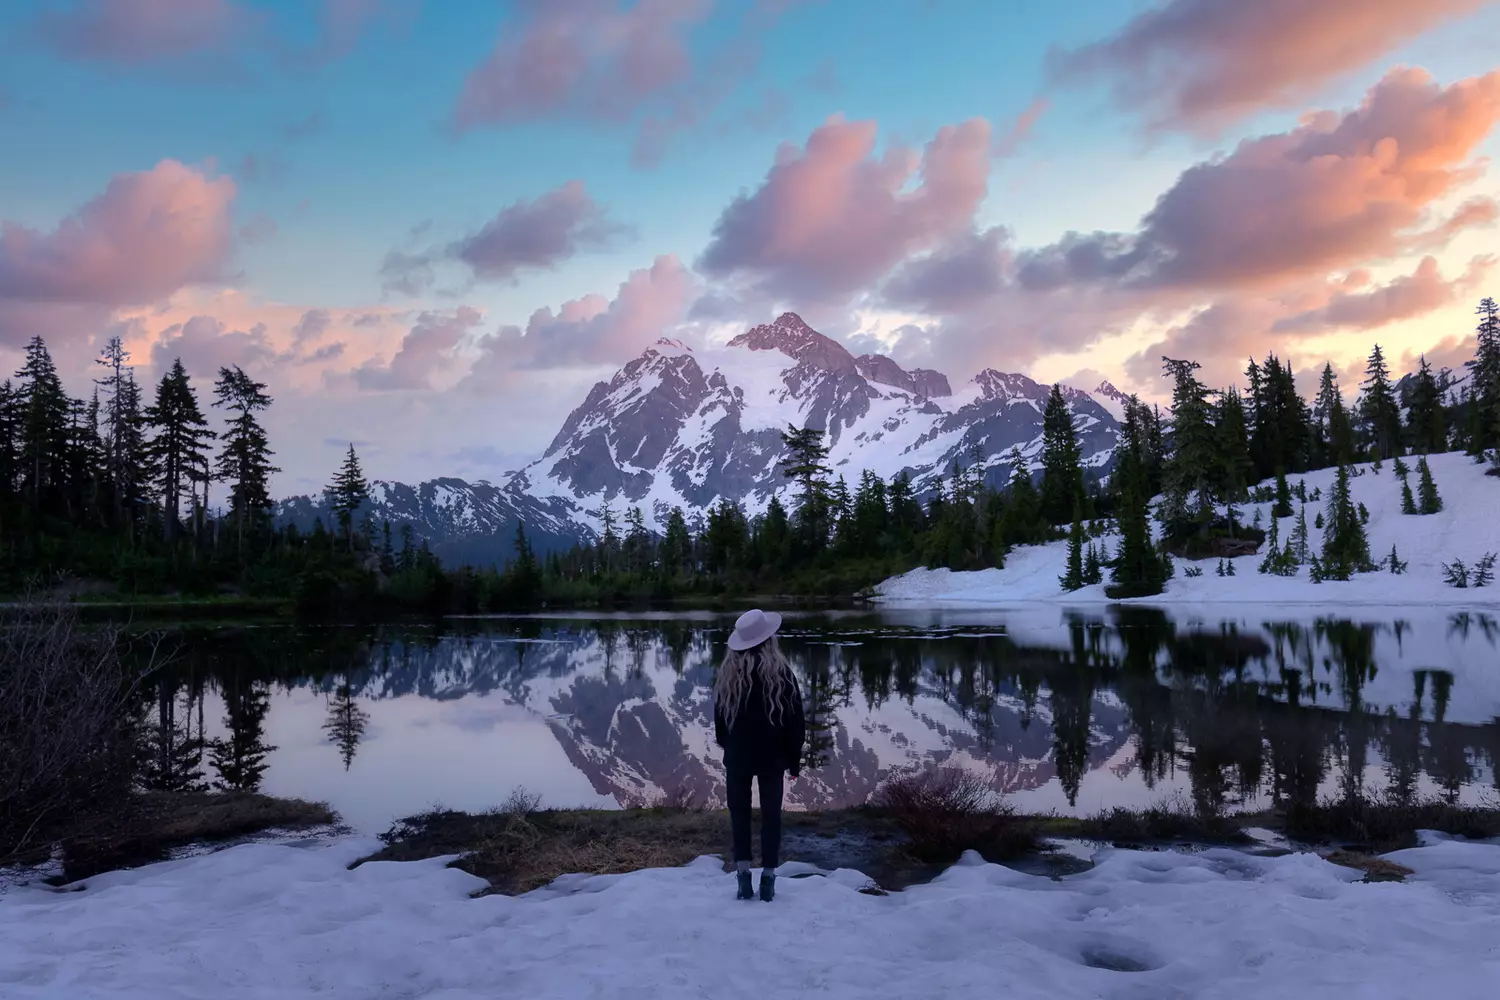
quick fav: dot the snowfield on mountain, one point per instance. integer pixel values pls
(677, 427)
(1467, 528)
(287, 921)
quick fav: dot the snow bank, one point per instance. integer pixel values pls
(283, 921)
(1467, 528)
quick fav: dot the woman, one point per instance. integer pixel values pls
(758, 722)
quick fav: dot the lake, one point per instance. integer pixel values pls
(1070, 711)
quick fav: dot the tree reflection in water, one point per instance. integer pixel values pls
(1237, 714)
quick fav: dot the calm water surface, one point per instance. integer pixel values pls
(1065, 711)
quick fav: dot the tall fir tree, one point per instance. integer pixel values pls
(1139, 570)
(1062, 472)
(1428, 500)
(1188, 477)
(1235, 464)
(1346, 550)
(245, 458)
(1379, 411)
(43, 409)
(346, 493)
(177, 452)
(1426, 421)
(1484, 379)
(1335, 429)
(806, 465)
(1072, 578)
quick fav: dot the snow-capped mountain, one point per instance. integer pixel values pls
(677, 427)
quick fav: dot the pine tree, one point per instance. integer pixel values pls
(806, 466)
(1427, 494)
(1283, 505)
(177, 453)
(676, 545)
(524, 571)
(1335, 430)
(1301, 542)
(1484, 369)
(1188, 503)
(1073, 578)
(1062, 474)
(1426, 423)
(1394, 563)
(245, 460)
(1139, 570)
(346, 493)
(43, 410)
(1092, 567)
(1235, 464)
(1346, 550)
(1378, 408)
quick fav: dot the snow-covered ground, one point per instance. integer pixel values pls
(263, 921)
(1466, 528)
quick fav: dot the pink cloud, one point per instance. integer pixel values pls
(833, 217)
(205, 345)
(137, 32)
(1204, 63)
(147, 235)
(1405, 297)
(1335, 190)
(592, 57)
(425, 350)
(591, 329)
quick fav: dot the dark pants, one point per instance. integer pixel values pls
(738, 794)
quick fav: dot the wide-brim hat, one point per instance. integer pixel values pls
(753, 628)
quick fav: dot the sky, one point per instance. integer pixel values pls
(430, 227)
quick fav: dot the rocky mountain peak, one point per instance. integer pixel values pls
(1010, 385)
(919, 382)
(798, 341)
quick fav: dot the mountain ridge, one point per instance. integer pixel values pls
(683, 427)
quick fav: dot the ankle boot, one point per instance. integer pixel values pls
(746, 892)
(767, 886)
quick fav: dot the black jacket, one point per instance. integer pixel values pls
(758, 742)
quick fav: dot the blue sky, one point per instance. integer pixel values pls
(342, 139)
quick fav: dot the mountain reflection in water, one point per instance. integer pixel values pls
(1065, 711)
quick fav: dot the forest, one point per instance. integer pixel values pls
(113, 488)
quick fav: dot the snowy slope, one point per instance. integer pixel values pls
(682, 428)
(1467, 528)
(289, 921)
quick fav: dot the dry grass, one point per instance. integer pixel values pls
(155, 822)
(1375, 869)
(1387, 826)
(517, 850)
(947, 811)
(1171, 820)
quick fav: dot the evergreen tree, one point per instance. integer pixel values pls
(1072, 579)
(1062, 474)
(1236, 466)
(806, 465)
(676, 544)
(1021, 521)
(1408, 504)
(1301, 543)
(245, 460)
(1188, 504)
(1426, 423)
(1092, 569)
(1346, 550)
(387, 552)
(525, 572)
(1283, 505)
(1428, 501)
(1335, 430)
(1139, 569)
(346, 722)
(177, 453)
(1378, 408)
(347, 492)
(1484, 370)
(43, 410)
(240, 758)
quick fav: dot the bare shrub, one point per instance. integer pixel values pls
(521, 803)
(947, 810)
(67, 727)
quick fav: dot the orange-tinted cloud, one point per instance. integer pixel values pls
(1415, 294)
(833, 217)
(425, 350)
(1204, 63)
(1337, 190)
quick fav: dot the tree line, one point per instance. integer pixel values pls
(116, 486)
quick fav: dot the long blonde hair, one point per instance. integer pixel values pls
(742, 667)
